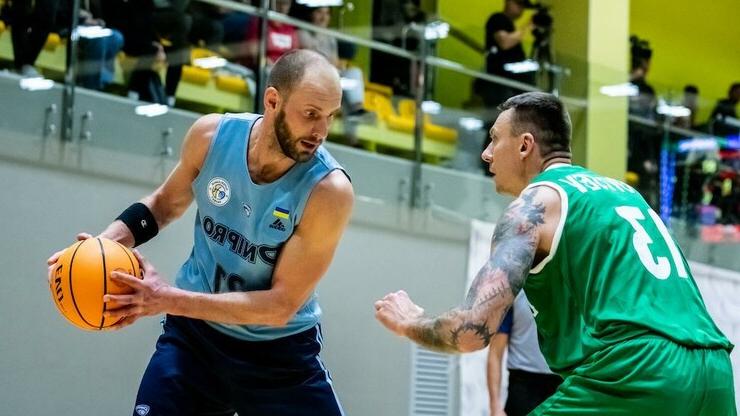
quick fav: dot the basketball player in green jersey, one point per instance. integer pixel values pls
(618, 313)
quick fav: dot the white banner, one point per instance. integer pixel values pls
(719, 287)
(473, 383)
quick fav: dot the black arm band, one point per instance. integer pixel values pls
(139, 219)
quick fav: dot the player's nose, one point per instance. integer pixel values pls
(487, 154)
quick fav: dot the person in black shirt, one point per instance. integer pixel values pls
(32, 21)
(726, 108)
(503, 46)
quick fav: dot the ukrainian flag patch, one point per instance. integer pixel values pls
(281, 213)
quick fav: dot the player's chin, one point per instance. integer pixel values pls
(304, 156)
(499, 186)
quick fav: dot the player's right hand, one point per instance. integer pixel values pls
(51, 261)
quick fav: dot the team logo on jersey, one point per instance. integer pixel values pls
(278, 225)
(141, 409)
(219, 191)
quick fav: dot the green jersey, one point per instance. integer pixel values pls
(613, 273)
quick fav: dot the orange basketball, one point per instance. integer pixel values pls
(81, 277)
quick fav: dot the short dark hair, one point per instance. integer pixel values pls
(290, 68)
(691, 89)
(544, 116)
(640, 52)
(733, 87)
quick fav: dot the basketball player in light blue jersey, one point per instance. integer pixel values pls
(242, 330)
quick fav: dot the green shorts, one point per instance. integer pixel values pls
(647, 376)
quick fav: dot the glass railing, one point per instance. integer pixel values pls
(684, 157)
(405, 95)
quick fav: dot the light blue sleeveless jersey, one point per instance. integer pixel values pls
(241, 227)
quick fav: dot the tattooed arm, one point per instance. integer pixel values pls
(523, 235)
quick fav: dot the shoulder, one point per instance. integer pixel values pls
(542, 195)
(198, 139)
(334, 190)
(497, 20)
(329, 206)
(536, 211)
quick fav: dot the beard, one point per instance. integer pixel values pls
(288, 143)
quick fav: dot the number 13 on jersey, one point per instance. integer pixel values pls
(658, 266)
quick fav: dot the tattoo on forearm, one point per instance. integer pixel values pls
(513, 248)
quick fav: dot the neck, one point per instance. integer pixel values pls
(555, 158)
(266, 161)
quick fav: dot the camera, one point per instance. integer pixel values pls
(542, 21)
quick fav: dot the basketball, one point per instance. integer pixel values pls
(81, 277)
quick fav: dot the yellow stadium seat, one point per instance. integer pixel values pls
(383, 107)
(407, 109)
(369, 103)
(52, 42)
(197, 53)
(403, 124)
(440, 133)
(379, 88)
(195, 75)
(631, 178)
(232, 83)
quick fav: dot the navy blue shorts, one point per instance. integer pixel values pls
(197, 370)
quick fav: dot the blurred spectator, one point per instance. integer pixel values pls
(643, 104)
(31, 21)
(207, 28)
(354, 84)
(643, 146)
(504, 45)
(172, 27)
(726, 108)
(134, 19)
(234, 24)
(281, 37)
(690, 101)
(155, 33)
(97, 52)
(724, 188)
(392, 20)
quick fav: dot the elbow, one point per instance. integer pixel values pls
(282, 315)
(279, 320)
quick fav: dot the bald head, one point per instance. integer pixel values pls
(301, 65)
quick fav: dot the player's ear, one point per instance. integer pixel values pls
(527, 145)
(271, 99)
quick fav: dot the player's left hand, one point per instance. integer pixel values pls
(148, 298)
(396, 311)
